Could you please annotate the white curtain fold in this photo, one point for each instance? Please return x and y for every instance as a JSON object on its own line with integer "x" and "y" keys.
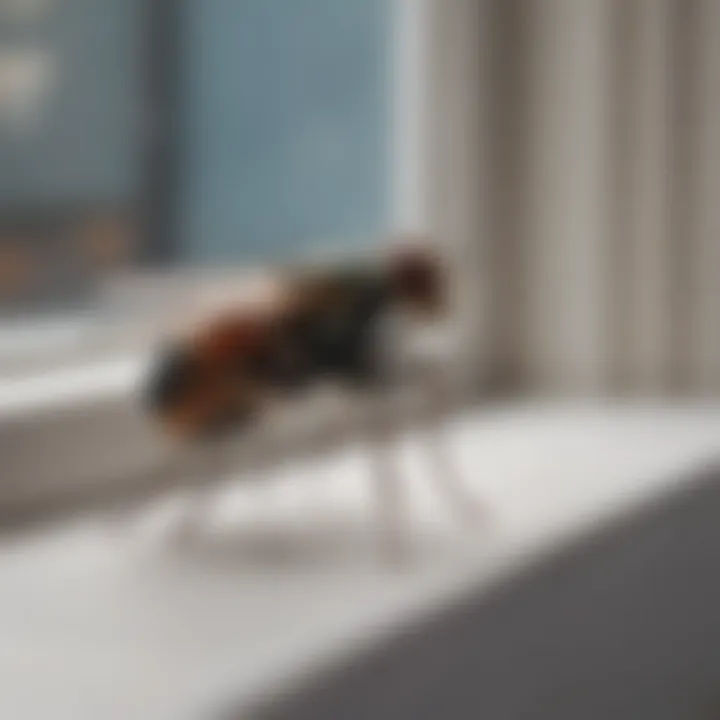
{"x": 574, "y": 164}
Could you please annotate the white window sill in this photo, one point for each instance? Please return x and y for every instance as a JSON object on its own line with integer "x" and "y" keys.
{"x": 80, "y": 431}
{"x": 68, "y": 388}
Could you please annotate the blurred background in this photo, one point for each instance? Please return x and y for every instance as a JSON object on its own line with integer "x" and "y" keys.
{"x": 564, "y": 154}
{"x": 155, "y": 137}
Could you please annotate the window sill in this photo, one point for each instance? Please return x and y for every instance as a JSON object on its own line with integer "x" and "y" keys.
{"x": 70, "y": 426}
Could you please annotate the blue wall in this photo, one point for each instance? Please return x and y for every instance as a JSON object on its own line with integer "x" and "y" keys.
{"x": 287, "y": 132}
{"x": 86, "y": 148}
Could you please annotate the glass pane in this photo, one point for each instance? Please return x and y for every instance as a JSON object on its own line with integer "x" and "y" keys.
{"x": 70, "y": 152}
{"x": 287, "y": 129}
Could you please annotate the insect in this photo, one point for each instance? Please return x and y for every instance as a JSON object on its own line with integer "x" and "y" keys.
{"x": 326, "y": 324}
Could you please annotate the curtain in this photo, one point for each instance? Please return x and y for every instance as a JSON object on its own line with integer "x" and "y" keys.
{"x": 573, "y": 162}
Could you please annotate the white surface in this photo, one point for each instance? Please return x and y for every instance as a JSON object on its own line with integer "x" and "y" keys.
{"x": 98, "y": 623}
{"x": 83, "y": 427}
{"x": 69, "y": 386}
{"x": 42, "y": 335}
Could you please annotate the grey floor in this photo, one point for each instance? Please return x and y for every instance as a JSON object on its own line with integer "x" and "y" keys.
{"x": 106, "y": 621}
{"x": 623, "y": 626}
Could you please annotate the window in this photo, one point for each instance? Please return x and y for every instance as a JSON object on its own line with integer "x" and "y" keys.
{"x": 70, "y": 149}
{"x": 285, "y": 140}
{"x": 201, "y": 132}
